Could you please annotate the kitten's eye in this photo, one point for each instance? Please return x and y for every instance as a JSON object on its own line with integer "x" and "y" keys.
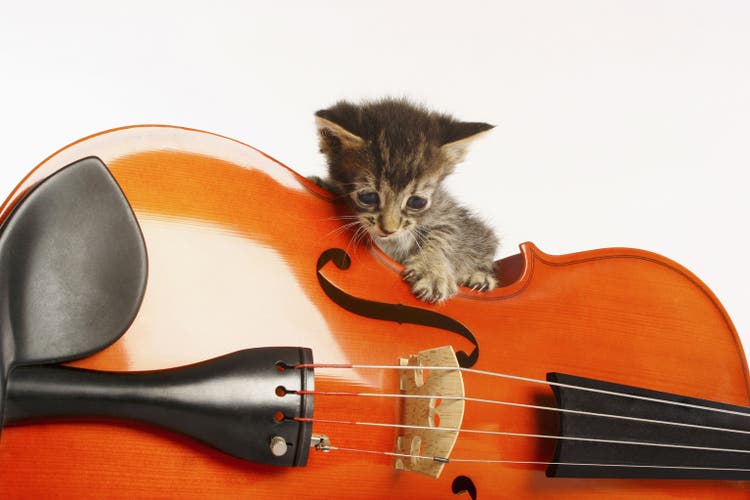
{"x": 416, "y": 202}
{"x": 368, "y": 198}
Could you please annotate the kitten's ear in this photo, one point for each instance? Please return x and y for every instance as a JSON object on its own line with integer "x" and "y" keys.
{"x": 459, "y": 136}
{"x": 335, "y": 137}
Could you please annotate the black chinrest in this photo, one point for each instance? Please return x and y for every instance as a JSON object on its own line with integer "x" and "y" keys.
{"x": 73, "y": 269}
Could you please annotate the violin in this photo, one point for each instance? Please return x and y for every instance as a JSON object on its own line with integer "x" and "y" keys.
{"x": 604, "y": 373}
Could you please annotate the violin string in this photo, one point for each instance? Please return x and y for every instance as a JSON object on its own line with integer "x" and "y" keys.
{"x": 521, "y": 405}
{"x": 530, "y": 462}
{"x": 524, "y": 435}
{"x": 523, "y": 379}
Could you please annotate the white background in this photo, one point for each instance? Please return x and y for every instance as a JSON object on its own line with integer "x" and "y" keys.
{"x": 619, "y": 123}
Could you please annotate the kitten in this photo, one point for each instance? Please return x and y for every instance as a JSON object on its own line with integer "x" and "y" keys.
{"x": 388, "y": 159}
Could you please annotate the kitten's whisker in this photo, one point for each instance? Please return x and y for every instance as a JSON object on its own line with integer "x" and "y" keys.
{"x": 411, "y": 233}
{"x": 338, "y": 230}
{"x": 420, "y": 235}
{"x": 351, "y": 239}
{"x": 364, "y": 239}
{"x": 355, "y": 239}
{"x": 349, "y": 224}
{"x": 341, "y": 217}
{"x": 342, "y": 228}
{"x": 362, "y": 236}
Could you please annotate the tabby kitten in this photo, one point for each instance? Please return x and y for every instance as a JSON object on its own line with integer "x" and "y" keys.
{"x": 388, "y": 159}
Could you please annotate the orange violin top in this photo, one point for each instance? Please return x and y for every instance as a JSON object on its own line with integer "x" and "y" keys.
{"x": 234, "y": 243}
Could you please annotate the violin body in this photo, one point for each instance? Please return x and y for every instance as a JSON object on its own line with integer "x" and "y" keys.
{"x": 234, "y": 241}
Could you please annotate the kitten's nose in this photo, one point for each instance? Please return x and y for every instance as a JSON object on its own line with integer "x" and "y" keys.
{"x": 388, "y": 223}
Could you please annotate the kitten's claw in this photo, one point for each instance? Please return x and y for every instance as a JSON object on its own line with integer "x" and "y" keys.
{"x": 431, "y": 286}
{"x": 480, "y": 281}
{"x": 434, "y": 296}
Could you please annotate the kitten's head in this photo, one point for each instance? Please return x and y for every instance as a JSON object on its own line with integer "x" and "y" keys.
{"x": 388, "y": 158}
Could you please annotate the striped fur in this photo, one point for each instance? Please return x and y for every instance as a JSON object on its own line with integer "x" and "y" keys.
{"x": 399, "y": 154}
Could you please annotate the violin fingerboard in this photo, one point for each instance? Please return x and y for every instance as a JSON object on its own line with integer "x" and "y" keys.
{"x": 655, "y": 440}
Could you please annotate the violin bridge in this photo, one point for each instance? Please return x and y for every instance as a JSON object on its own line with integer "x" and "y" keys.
{"x": 435, "y": 419}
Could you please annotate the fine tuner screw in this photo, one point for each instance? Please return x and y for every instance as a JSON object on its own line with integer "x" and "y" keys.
{"x": 278, "y": 446}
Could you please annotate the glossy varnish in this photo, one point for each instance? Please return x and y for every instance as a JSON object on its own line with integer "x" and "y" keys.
{"x": 233, "y": 239}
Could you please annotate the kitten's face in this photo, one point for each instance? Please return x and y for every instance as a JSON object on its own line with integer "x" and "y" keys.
{"x": 388, "y": 158}
{"x": 390, "y": 211}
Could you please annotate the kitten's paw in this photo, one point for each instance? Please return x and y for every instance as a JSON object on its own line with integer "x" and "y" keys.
{"x": 315, "y": 179}
{"x": 480, "y": 281}
{"x": 324, "y": 183}
{"x": 430, "y": 285}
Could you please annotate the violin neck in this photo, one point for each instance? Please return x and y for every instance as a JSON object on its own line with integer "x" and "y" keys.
{"x": 658, "y": 435}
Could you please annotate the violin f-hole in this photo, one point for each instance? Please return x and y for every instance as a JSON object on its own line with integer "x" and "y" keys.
{"x": 463, "y": 484}
{"x": 391, "y": 312}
